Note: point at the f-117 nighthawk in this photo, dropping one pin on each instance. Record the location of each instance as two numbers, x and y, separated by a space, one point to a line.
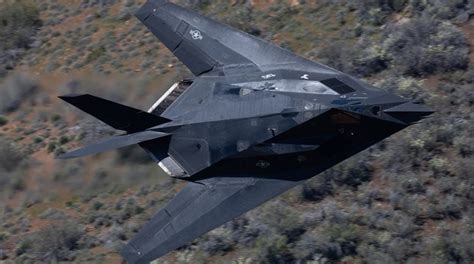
255 121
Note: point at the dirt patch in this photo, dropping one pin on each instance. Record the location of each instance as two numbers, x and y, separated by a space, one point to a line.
468 30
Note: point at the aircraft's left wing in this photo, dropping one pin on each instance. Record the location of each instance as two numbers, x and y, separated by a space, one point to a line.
198 208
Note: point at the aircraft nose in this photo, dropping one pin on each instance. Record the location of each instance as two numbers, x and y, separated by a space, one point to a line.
409 112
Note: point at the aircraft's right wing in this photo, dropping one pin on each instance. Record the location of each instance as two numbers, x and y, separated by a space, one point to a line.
198 208
203 44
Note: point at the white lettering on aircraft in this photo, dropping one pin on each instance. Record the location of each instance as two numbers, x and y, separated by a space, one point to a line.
268 76
305 77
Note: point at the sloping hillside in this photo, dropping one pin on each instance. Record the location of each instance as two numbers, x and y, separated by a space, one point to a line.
407 199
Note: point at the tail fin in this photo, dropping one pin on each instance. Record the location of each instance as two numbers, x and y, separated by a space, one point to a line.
114 143
118 116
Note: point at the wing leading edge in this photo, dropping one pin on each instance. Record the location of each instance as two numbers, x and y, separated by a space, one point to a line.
197 209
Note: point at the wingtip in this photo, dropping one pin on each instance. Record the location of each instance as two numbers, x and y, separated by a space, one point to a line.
130 254
67 97
145 11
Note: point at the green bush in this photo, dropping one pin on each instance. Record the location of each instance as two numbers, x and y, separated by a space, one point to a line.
16 89
10 155
316 189
18 21
352 172
376 12
272 248
55 242
217 242
3 120
55 118
342 233
52 146
425 46
444 9
95 54
63 140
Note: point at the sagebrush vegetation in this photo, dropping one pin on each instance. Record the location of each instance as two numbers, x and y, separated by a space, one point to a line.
409 199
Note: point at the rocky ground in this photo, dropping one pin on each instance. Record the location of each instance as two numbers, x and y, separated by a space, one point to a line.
408 199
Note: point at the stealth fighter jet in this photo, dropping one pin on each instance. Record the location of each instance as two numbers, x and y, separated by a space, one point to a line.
255 121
